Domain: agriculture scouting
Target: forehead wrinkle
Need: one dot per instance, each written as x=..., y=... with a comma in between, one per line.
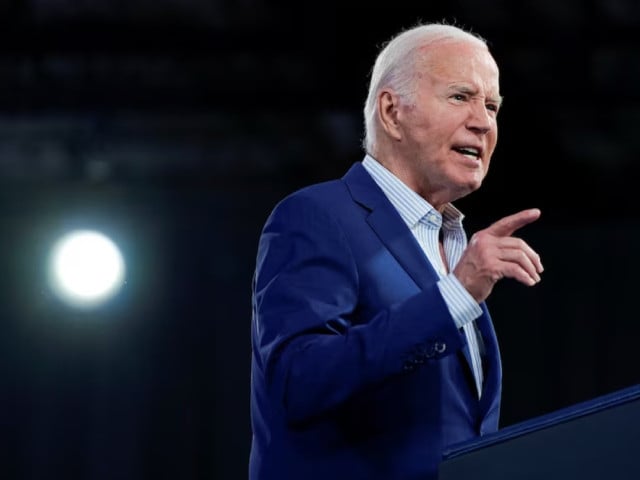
x=431, y=65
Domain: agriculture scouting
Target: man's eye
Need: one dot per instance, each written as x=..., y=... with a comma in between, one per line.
x=459, y=97
x=492, y=107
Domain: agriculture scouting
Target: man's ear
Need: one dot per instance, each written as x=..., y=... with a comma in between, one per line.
x=388, y=113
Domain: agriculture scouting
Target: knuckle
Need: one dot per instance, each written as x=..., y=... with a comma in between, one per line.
x=495, y=275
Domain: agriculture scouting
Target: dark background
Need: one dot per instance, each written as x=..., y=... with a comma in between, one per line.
x=175, y=125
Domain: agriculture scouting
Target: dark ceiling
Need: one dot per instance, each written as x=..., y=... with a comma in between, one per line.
x=251, y=90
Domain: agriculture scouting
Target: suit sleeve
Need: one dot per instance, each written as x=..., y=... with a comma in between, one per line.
x=309, y=341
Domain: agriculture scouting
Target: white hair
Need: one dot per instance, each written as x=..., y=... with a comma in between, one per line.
x=395, y=68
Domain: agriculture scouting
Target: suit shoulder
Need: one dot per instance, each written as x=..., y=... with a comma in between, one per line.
x=324, y=196
x=319, y=207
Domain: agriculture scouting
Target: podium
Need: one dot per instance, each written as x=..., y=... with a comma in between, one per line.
x=596, y=439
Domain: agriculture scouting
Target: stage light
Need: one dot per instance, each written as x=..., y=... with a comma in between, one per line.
x=86, y=269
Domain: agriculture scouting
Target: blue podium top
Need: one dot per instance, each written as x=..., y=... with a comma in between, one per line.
x=557, y=417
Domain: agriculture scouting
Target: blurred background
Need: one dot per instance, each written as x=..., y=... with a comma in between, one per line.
x=174, y=126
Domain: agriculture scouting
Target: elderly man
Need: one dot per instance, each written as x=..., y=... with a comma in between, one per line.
x=372, y=345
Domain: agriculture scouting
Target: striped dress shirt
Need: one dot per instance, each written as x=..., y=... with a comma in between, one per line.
x=425, y=223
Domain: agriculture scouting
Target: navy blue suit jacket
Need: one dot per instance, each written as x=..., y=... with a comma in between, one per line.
x=358, y=370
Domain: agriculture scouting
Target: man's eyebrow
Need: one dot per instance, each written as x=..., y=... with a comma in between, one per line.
x=463, y=89
x=467, y=90
x=498, y=100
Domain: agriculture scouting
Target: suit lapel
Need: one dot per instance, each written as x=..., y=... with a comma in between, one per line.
x=394, y=234
x=492, y=367
x=389, y=226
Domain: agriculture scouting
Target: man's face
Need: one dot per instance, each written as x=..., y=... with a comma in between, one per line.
x=449, y=131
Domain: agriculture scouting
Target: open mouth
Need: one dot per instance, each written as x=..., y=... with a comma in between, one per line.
x=471, y=152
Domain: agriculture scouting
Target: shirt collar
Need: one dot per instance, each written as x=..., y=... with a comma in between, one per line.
x=411, y=206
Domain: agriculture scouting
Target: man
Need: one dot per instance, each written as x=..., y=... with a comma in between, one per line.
x=372, y=346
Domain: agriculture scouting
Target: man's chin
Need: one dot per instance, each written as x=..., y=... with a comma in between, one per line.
x=466, y=189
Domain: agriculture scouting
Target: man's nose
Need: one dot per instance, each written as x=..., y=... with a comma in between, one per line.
x=480, y=120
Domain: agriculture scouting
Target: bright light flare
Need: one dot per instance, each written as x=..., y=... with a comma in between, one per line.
x=86, y=268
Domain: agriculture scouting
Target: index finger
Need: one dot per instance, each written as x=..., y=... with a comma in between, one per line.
x=507, y=225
